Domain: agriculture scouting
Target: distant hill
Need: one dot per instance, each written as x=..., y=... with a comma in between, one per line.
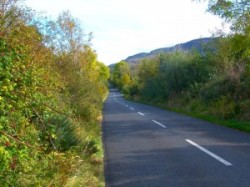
x=196, y=44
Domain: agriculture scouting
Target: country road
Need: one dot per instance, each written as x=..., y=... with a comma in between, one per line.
x=148, y=146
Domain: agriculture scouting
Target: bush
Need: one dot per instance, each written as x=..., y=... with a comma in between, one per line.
x=223, y=107
x=65, y=136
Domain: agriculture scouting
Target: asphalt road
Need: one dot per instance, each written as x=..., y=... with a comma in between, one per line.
x=148, y=146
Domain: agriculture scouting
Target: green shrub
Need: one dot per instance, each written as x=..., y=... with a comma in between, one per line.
x=65, y=136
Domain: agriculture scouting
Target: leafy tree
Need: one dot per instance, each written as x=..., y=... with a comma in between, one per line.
x=235, y=11
x=234, y=50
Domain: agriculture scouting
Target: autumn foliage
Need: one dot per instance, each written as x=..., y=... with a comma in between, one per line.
x=51, y=92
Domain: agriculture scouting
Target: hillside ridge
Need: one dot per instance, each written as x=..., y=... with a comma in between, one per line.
x=195, y=44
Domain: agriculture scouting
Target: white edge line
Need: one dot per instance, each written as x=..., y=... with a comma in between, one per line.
x=158, y=123
x=209, y=153
x=141, y=113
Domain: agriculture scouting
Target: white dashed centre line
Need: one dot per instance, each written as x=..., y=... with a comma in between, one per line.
x=209, y=153
x=131, y=108
x=158, y=123
x=141, y=113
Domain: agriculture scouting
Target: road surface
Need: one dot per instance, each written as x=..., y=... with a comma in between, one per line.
x=148, y=146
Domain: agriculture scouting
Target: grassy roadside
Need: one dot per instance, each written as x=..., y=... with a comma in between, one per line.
x=231, y=123
x=89, y=167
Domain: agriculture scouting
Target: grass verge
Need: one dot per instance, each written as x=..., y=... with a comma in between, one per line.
x=231, y=123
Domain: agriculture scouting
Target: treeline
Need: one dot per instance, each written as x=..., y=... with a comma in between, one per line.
x=51, y=93
x=214, y=84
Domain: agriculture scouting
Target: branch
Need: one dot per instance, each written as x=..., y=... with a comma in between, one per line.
x=59, y=112
x=20, y=142
x=44, y=126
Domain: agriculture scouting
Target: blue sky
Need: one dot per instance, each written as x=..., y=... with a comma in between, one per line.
x=125, y=27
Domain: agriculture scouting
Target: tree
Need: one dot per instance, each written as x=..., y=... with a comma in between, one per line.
x=234, y=50
x=235, y=11
x=121, y=74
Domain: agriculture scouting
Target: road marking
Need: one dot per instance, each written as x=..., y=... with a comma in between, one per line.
x=141, y=113
x=131, y=108
x=209, y=153
x=126, y=105
x=158, y=123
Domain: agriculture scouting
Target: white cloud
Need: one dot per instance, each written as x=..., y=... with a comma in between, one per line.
x=124, y=27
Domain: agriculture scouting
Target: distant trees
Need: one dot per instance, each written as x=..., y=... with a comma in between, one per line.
x=169, y=74
x=121, y=74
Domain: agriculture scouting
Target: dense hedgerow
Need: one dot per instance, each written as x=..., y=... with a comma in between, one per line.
x=51, y=94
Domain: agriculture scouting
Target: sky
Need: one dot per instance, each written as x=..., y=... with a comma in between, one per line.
x=122, y=28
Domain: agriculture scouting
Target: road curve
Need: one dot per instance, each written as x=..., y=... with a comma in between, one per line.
x=147, y=146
